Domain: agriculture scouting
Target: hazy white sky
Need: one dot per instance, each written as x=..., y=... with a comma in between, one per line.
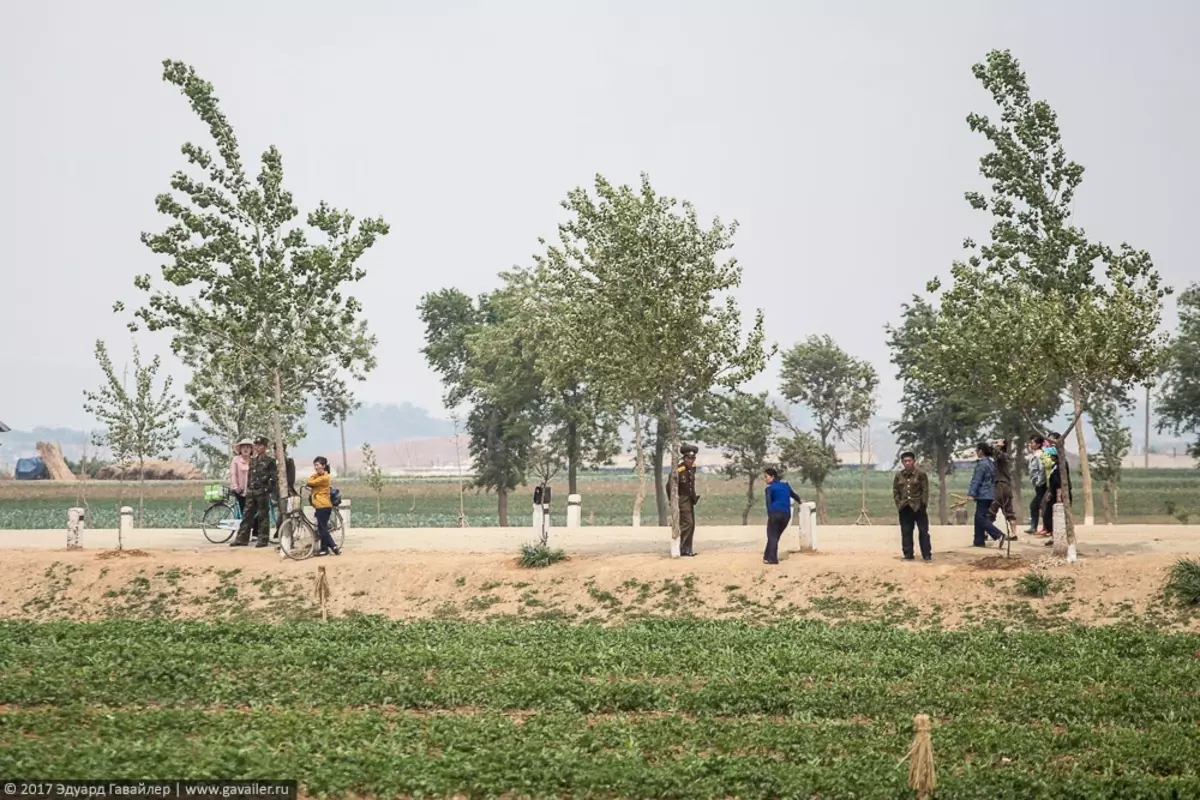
x=833, y=131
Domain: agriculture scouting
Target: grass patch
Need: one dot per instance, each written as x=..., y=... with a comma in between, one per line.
x=1183, y=582
x=540, y=556
x=1034, y=584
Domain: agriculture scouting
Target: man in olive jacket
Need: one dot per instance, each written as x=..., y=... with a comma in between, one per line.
x=910, y=490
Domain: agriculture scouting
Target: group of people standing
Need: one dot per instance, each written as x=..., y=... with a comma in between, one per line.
x=254, y=484
x=991, y=492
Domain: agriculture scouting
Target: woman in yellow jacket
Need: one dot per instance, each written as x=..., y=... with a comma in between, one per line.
x=318, y=482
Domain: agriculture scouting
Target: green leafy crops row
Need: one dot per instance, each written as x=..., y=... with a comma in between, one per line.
x=1146, y=496
x=678, y=709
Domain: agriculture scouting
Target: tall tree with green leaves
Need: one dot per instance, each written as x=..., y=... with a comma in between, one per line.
x=243, y=274
x=743, y=427
x=639, y=276
x=1179, y=396
x=935, y=421
x=499, y=383
x=578, y=419
x=839, y=392
x=1115, y=441
x=1038, y=304
x=136, y=425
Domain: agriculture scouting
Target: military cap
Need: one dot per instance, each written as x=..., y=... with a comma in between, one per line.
x=261, y=440
x=689, y=450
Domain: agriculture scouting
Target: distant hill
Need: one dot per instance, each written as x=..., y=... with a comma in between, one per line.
x=374, y=422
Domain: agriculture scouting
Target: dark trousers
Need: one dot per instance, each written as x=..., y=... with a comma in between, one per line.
x=322, y=515
x=984, y=526
x=256, y=516
x=241, y=503
x=777, y=522
x=1035, y=506
x=1048, y=513
x=918, y=519
x=687, y=527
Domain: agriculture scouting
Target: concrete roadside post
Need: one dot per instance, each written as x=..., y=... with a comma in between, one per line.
x=344, y=511
x=124, y=526
x=75, y=527
x=1060, y=530
x=808, y=527
x=574, y=511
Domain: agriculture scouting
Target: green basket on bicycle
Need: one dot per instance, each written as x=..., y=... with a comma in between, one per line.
x=214, y=492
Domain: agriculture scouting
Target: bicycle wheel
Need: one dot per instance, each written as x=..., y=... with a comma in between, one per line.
x=336, y=529
x=297, y=541
x=219, y=523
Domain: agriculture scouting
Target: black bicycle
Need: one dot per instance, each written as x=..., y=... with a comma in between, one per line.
x=298, y=537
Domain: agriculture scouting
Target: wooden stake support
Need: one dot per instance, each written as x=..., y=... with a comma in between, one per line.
x=321, y=590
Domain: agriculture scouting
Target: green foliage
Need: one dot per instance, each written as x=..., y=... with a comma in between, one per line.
x=137, y=425
x=839, y=391
x=373, y=477
x=1179, y=398
x=537, y=556
x=685, y=709
x=1034, y=584
x=636, y=277
x=500, y=382
x=250, y=299
x=1039, y=307
x=743, y=426
x=1183, y=581
x=1115, y=442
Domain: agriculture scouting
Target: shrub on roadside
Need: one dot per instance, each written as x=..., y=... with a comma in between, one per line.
x=537, y=556
x=1183, y=582
x=1034, y=584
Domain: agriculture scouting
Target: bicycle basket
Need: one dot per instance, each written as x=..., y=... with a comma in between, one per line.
x=214, y=492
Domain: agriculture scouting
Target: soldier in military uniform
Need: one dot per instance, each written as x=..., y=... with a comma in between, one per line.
x=262, y=484
x=687, y=498
x=1003, y=498
x=910, y=490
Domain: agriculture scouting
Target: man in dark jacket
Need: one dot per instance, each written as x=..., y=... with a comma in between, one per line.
x=260, y=487
x=910, y=490
x=1002, y=497
x=686, y=472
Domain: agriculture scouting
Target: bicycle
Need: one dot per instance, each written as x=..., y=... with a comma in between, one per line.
x=293, y=541
x=223, y=517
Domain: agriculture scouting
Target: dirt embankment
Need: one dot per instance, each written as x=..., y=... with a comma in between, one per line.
x=957, y=590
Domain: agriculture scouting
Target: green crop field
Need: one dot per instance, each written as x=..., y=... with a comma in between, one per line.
x=1162, y=495
x=682, y=709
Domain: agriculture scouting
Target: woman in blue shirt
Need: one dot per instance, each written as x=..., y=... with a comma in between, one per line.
x=779, y=512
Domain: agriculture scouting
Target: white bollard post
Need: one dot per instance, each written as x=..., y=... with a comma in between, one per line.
x=124, y=525
x=1060, y=530
x=537, y=521
x=75, y=527
x=574, y=511
x=344, y=512
x=808, y=527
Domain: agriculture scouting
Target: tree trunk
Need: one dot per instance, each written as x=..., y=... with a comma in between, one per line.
x=1066, y=504
x=822, y=517
x=1116, y=514
x=502, y=506
x=673, y=432
x=342, y=430
x=572, y=457
x=943, y=471
x=141, y=487
x=639, y=459
x=660, y=451
x=280, y=456
x=749, y=499
x=1104, y=507
x=1089, y=509
x=378, y=509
